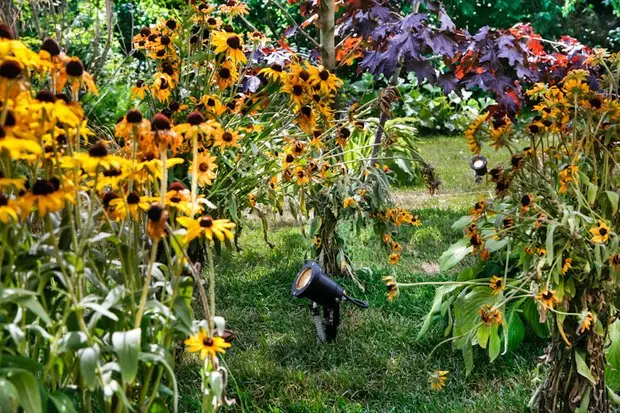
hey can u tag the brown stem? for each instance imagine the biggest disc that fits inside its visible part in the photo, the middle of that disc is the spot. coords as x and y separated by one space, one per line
327 25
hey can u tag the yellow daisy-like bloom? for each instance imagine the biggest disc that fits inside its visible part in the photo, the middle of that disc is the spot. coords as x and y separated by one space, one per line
490 315
575 88
226 75
130 205
392 288
567 265
496 284
231 44
138 89
226 138
161 87
394 258
297 90
325 81
600 233
206 168
213 105
306 119
9 209
207 226
234 8
472 130
547 298
48 196
301 176
17 148
437 379
348 202
274 72
316 241
568 175
205 345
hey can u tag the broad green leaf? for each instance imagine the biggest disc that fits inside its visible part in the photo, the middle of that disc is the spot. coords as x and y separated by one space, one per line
468 357
467 312
582 367
71 341
89 359
440 292
27 388
454 255
495 343
496 244
532 316
612 369
160 359
9 398
183 313
614 198
515 329
127 346
549 243
483 335
592 191
461 223
62 402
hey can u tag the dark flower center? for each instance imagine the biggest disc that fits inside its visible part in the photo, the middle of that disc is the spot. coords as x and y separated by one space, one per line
195 118
324 75
134 116
224 73
211 21
4 200
233 42
290 158
175 199
534 128
525 200
177 186
165 40
171 24
133 198
45 96
112 172
155 212
6 32
206 222
145 31
98 150
602 231
277 67
204 167
43 187
298 90
304 75
161 53
168 69
306 111
548 295
160 122
207 342
108 197
210 102
227 137
10 69
51 47
75 68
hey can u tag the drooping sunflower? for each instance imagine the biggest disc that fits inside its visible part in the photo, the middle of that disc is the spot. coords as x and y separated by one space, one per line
496 284
437 379
585 321
527 201
208 227
205 345
392 287
600 232
138 89
490 315
472 131
231 44
547 298
306 119
234 8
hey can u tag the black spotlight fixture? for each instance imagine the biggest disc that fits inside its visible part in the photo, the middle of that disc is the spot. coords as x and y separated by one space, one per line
479 164
312 283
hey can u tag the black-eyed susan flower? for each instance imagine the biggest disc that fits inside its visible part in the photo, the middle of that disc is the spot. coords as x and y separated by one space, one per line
527 201
234 8
437 379
472 131
208 227
157 220
585 322
567 265
48 196
297 90
394 258
547 298
226 138
131 205
324 80
9 209
205 345
206 168
231 44
490 315
496 284
139 89
392 288
600 232
348 202
316 241
614 260
274 72
213 105
478 209
226 76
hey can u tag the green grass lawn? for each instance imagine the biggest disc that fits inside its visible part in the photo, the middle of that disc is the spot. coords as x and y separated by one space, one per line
376 364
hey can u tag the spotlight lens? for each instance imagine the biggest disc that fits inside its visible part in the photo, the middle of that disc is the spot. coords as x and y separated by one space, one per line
303 279
478 164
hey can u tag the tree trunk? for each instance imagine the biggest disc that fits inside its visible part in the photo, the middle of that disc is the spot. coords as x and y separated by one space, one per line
328 252
327 18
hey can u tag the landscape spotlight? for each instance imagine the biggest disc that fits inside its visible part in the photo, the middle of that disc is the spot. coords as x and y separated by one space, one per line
312 283
479 164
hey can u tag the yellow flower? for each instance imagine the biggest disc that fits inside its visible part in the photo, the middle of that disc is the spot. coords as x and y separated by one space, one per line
574 88
226 138
301 176
394 258
600 233
615 261
472 130
205 345
392 287
437 379
234 8
206 168
231 44
547 298
316 241
348 202
568 264
496 284
274 72
48 196
226 75
138 90
9 209
131 205
322 79
490 315
585 321
297 90
207 226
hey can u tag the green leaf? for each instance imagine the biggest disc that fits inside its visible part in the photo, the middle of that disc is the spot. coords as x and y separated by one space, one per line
161 359
127 346
440 292
516 330
483 335
461 223
454 255
582 367
549 243
62 402
89 359
27 388
532 316
612 369
495 343
591 195
9 398
614 198
468 357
